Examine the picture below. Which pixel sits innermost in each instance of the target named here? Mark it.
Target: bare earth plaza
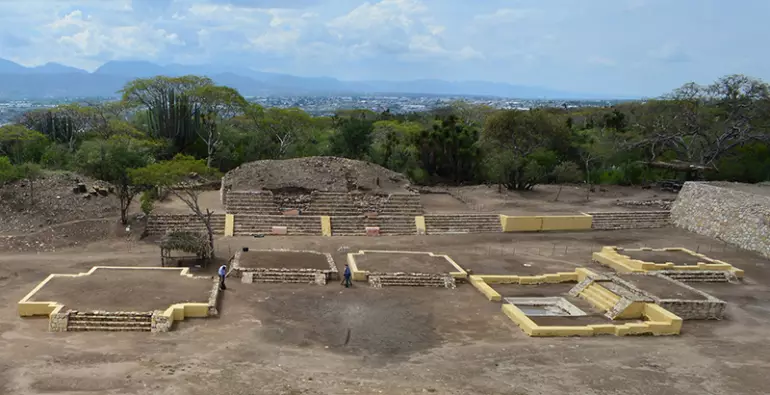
(447, 298)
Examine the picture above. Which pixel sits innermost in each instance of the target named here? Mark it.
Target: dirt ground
(661, 257)
(283, 259)
(375, 262)
(125, 290)
(307, 339)
(662, 288)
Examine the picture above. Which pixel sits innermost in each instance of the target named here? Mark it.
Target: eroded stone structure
(735, 216)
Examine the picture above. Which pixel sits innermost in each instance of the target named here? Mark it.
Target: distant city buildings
(327, 105)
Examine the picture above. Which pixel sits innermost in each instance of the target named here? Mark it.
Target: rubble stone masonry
(730, 215)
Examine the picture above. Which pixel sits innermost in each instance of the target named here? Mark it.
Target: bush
(148, 201)
(56, 157)
(8, 172)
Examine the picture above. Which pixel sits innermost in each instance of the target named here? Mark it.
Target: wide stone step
(102, 328)
(106, 323)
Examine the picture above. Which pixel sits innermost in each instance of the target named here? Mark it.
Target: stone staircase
(462, 223)
(276, 276)
(702, 276)
(251, 202)
(411, 280)
(246, 225)
(332, 203)
(402, 204)
(112, 322)
(389, 225)
(158, 224)
(630, 220)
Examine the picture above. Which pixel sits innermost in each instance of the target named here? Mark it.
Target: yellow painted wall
(545, 223)
(229, 224)
(521, 224)
(326, 225)
(485, 289)
(419, 222)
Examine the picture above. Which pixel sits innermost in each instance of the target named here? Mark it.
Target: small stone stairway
(702, 276)
(402, 204)
(281, 276)
(411, 280)
(245, 225)
(251, 202)
(332, 203)
(630, 220)
(389, 225)
(462, 223)
(107, 321)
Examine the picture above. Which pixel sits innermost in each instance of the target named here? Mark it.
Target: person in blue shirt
(346, 275)
(222, 274)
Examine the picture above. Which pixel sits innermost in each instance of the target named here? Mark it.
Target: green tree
(8, 171)
(353, 138)
(216, 104)
(182, 176)
(169, 110)
(521, 144)
(112, 160)
(20, 144)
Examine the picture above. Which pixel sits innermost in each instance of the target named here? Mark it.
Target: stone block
(280, 230)
(293, 211)
(372, 230)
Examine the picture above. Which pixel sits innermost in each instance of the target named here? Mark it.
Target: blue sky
(635, 47)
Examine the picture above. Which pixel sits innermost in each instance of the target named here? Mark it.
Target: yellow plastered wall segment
(419, 222)
(363, 275)
(614, 258)
(176, 312)
(658, 322)
(481, 281)
(326, 225)
(229, 224)
(545, 223)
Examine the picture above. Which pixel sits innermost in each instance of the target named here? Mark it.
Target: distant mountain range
(54, 80)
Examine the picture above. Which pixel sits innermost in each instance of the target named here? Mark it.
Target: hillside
(54, 203)
(315, 174)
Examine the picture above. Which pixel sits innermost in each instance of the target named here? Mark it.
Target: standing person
(222, 274)
(346, 275)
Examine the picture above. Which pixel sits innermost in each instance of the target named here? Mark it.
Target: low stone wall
(629, 220)
(158, 224)
(708, 308)
(737, 217)
(250, 275)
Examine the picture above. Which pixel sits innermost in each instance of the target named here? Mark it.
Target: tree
(566, 172)
(31, 172)
(20, 144)
(8, 171)
(284, 125)
(353, 138)
(695, 126)
(216, 104)
(513, 140)
(169, 110)
(112, 160)
(182, 176)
